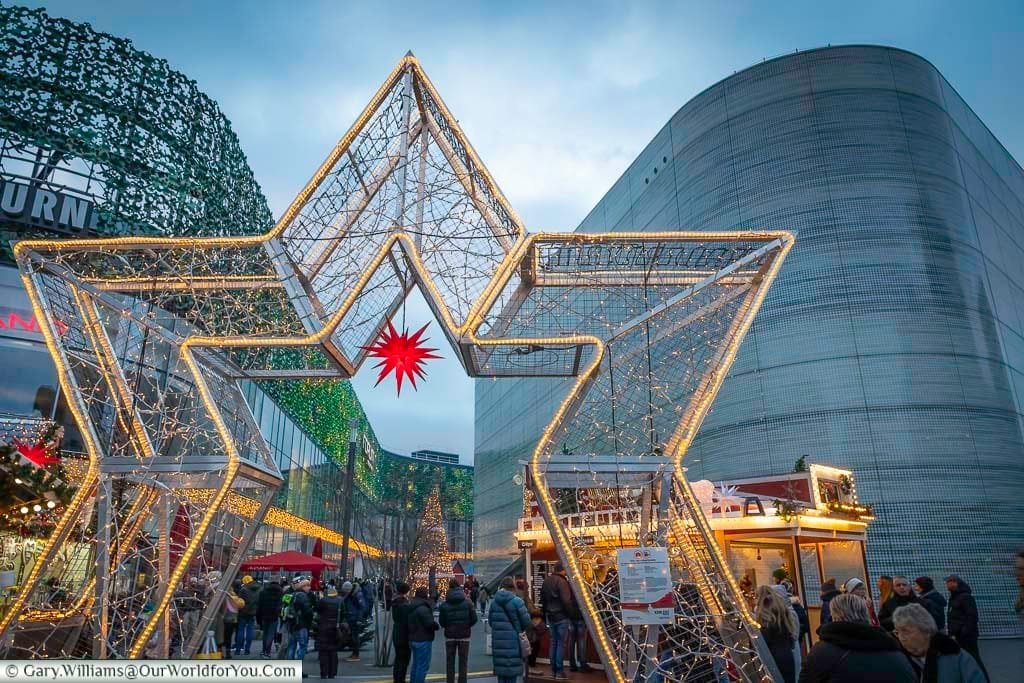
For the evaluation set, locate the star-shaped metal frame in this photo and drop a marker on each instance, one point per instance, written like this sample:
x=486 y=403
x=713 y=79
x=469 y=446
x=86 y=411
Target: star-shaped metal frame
x=635 y=332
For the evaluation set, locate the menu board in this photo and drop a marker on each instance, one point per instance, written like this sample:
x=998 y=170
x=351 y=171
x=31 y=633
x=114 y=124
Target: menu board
x=645 y=586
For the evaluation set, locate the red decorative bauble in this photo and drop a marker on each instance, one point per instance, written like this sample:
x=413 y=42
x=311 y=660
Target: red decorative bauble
x=402 y=354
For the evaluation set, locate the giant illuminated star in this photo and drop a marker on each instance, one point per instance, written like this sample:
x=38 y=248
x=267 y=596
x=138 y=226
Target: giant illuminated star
x=642 y=326
x=402 y=354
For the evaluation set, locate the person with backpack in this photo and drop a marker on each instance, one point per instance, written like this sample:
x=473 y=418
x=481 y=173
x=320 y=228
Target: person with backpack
x=302 y=611
x=422 y=628
x=509 y=620
x=246 y=631
x=287 y=618
x=457 y=617
x=400 y=635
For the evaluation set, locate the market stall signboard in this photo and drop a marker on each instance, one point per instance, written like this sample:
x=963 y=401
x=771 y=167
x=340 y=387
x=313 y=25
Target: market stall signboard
x=645 y=586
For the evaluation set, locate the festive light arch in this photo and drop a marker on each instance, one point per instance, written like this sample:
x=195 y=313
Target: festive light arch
x=638 y=330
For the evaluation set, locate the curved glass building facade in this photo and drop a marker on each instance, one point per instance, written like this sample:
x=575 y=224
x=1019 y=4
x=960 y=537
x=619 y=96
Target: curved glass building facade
x=892 y=342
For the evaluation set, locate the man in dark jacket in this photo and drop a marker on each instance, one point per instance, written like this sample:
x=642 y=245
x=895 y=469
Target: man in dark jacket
x=828 y=591
x=902 y=595
x=556 y=602
x=303 y=608
x=851 y=650
x=963 y=617
x=352 y=596
x=932 y=600
x=250 y=593
x=474 y=590
x=366 y=589
x=400 y=633
x=577 y=645
x=331 y=612
x=269 y=614
x=421 y=634
x=457 y=617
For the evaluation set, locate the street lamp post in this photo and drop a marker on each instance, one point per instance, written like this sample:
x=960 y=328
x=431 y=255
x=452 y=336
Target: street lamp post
x=350 y=472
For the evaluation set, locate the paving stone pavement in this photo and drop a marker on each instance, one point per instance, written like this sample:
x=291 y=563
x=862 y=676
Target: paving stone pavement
x=1004 y=659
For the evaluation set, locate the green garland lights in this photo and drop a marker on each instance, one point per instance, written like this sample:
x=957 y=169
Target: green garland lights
x=323 y=409
x=155 y=153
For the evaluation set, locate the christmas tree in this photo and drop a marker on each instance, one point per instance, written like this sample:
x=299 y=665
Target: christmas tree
x=430 y=554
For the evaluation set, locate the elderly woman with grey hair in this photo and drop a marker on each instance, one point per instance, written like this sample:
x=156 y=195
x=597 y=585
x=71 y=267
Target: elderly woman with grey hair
x=935 y=656
x=851 y=650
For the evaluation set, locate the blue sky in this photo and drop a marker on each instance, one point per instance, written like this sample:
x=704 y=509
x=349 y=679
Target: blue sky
x=557 y=98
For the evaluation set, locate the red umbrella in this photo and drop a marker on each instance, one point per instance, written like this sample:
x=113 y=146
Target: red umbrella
x=289 y=560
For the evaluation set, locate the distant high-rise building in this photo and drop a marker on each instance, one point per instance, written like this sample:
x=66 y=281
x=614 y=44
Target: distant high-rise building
x=436 y=456
x=892 y=342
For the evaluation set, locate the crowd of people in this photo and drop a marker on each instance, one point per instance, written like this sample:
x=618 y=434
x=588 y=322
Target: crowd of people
x=916 y=635
x=414 y=627
x=287 y=612
x=516 y=627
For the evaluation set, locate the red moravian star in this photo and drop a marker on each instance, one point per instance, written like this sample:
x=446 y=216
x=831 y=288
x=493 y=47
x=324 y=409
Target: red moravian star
x=402 y=354
x=37 y=454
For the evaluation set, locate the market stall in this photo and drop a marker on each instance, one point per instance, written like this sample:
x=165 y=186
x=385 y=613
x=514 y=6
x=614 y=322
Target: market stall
x=807 y=526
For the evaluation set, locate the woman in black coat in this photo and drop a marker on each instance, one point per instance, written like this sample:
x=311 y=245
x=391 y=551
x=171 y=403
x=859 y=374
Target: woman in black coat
x=779 y=627
x=331 y=613
x=851 y=650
